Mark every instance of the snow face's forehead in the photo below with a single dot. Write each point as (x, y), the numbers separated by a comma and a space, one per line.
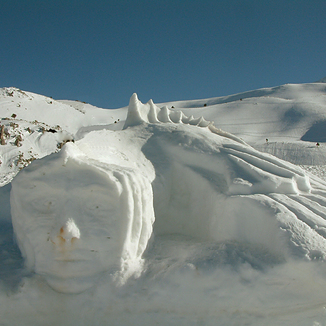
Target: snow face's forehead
(69, 175)
(45, 192)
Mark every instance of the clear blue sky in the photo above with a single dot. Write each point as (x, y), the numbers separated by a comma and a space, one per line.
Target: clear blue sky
(103, 51)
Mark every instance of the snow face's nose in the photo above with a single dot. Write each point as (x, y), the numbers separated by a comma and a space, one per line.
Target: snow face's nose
(68, 232)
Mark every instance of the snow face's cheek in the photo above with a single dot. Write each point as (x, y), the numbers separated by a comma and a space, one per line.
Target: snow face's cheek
(69, 225)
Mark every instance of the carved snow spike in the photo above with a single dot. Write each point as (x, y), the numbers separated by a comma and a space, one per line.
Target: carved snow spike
(139, 113)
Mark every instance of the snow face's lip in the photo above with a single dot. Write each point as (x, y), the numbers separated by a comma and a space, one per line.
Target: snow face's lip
(64, 270)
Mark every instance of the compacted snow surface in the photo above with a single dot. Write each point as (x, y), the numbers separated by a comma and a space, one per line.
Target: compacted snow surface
(151, 215)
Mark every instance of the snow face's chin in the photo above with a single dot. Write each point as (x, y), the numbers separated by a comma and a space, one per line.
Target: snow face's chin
(71, 223)
(70, 285)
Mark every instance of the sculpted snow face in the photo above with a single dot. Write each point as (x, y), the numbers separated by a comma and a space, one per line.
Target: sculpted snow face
(90, 208)
(75, 220)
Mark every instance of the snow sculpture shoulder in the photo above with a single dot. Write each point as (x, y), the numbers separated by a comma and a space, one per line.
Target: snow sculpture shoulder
(76, 218)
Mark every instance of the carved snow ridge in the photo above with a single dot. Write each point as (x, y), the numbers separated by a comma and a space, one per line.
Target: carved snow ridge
(139, 113)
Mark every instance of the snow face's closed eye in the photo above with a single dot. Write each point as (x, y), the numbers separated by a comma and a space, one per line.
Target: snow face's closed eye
(44, 205)
(45, 201)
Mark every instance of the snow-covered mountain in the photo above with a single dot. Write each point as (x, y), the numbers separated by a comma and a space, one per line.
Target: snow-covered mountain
(323, 80)
(204, 225)
(291, 117)
(34, 126)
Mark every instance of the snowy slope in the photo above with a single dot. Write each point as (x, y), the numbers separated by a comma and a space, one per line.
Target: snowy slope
(239, 235)
(285, 115)
(35, 126)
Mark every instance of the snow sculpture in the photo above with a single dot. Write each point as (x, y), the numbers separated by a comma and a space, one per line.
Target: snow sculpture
(212, 186)
(76, 218)
(89, 210)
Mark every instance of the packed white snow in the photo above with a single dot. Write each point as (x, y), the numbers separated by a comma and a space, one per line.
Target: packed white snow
(161, 218)
(75, 219)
